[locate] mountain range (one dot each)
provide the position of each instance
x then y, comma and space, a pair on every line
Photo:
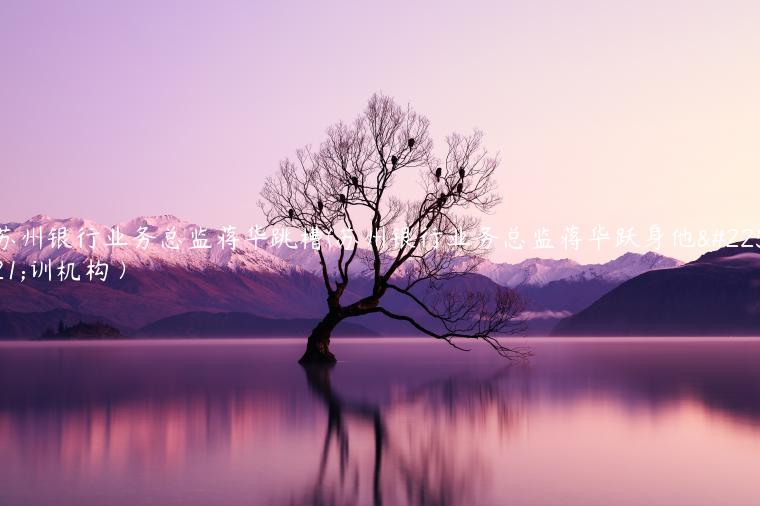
541, 272
715, 295
168, 274
553, 289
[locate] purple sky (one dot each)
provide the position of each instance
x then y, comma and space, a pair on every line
624, 114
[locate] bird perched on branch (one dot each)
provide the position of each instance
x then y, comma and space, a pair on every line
410, 143
342, 198
461, 172
320, 205
291, 213
394, 160
438, 174
355, 181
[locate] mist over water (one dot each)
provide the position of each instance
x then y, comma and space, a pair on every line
397, 421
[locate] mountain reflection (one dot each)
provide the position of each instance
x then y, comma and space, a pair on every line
397, 423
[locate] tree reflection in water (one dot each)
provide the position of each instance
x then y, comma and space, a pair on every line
418, 463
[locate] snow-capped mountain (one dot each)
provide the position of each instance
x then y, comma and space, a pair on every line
170, 270
151, 242
541, 272
532, 271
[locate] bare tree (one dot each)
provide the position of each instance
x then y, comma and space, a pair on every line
347, 182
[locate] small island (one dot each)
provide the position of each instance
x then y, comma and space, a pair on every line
81, 330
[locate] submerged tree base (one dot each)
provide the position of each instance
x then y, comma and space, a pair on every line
318, 344
314, 355
317, 353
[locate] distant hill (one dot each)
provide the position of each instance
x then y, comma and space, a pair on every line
31, 325
556, 289
82, 330
717, 294
203, 324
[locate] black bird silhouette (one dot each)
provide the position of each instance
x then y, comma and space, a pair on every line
459, 188
355, 181
461, 172
320, 205
442, 198
394, 160
410, 142
438, 174
342, 198
291, 213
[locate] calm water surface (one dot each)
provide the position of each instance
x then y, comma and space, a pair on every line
397, 421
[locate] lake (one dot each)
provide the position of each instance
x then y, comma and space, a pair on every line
396, 421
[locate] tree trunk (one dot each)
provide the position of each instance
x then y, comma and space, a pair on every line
318, 344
